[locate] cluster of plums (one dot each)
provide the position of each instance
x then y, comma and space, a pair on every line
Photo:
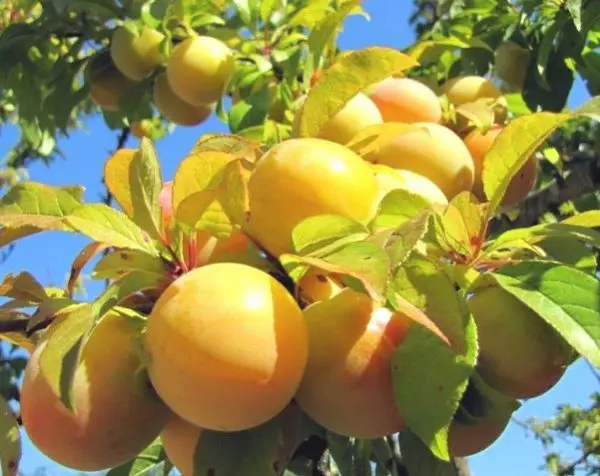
227, 347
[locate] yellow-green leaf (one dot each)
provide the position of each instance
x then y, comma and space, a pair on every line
119, 262
10, 440
236, 145
463, 223
233, 192
83, 258
343, 80
116, 177
111, 227
24, 287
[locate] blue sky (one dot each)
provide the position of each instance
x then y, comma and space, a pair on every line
48, 256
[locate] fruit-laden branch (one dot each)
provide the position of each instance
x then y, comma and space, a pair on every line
583, 178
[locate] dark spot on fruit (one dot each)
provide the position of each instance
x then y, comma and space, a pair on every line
440, 388
322, 278
248, 216
124, 256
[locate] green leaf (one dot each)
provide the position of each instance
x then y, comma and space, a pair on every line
428, 51
10, 440
260, 451
464, 224
364, 261
512, 148
119, 262
63, 345
419, 460
151, 461
396, 208
24, 287
109, 226
570, 251
83, 258
145, 183
233, 192
51, 309
575, 9
406, 238
429, 379
343, 80
227, 143
565, 297
321, 234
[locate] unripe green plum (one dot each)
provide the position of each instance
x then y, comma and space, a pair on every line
114, 418
511, 62
199, 69
175, 109
433, 151
520, 354
136, 55
406, 100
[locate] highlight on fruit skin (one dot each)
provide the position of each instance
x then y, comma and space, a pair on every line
465, 89
520, 354
300, 178
433, 151
522, 183
175, 109
199, 68
227, 346
106, 83
116, 415
347, 384
136, 54
406, 100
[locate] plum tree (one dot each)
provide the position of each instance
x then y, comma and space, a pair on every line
347, 385
300, 178
359, 112
520, 356
406, 100
433, 151
103, 430
511, 62
136, 53
105, 82
199, 68
389, 179
175, 109
465, 89
227, 345
521, 184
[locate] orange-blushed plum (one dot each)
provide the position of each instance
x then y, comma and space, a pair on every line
406, 100
347, 385
433, 151
116, 413
227, 346
106, 83
521, 355
521, 184
136, 54
468, 438
175, 109
300, 178
464, 89
199, 68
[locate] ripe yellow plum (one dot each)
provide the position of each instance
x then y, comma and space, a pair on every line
521, 355
106, 83
521, 184
406, 100
227, 346
115, 416
300, 178
175, 109
199, 68
136, 54
347, 385
317, 285
433, 151
464, 89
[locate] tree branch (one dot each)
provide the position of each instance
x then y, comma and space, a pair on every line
570, 468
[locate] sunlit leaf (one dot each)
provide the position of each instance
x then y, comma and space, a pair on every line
321, 234
22, 286
83, 258
119, 262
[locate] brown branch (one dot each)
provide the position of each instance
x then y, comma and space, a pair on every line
583, 178
570, 468
15, 325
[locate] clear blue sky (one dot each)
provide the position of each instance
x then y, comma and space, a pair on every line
48, 256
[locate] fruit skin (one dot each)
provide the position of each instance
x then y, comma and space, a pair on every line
464, 89
179, 438
114, 417
175, 109
227, 345
358, 113
106, 83
389, 179
136, 56
300, 178
469, 438
521, 184
347, 384
520, 356
317, 285
511, 62
199, 69
433, 151
141, 128
406, 100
